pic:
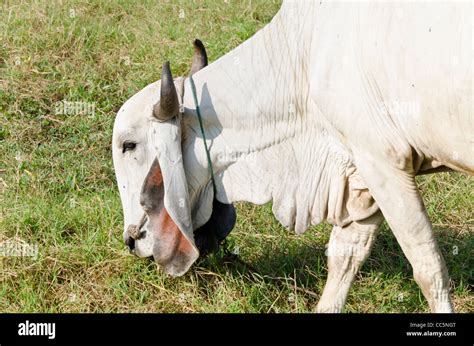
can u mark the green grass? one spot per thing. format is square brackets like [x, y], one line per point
[57, 187]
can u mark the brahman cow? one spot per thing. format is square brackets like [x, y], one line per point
[330, 111]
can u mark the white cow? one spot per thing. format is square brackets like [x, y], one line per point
[329, 111]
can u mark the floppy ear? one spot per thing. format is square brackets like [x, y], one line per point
[216, 229]
[171, 249]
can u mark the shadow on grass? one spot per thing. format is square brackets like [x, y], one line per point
[305, 265]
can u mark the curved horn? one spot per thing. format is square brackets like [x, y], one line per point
[200, 57]
[168, 105]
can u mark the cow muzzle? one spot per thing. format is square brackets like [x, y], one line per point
[135, 232]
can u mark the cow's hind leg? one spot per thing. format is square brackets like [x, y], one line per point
[348, 249]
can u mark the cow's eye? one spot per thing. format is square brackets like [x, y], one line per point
[128, 146]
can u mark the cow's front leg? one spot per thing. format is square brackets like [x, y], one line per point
[348, 249]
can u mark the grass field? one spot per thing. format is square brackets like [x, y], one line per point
[58, 192]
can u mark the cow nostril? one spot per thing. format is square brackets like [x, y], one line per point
[130, 242]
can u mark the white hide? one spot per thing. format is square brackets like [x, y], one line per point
[285, 129]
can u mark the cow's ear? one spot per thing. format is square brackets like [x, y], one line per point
[171, 249]
[216, 229]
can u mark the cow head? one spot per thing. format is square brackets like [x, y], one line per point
[150, 169]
